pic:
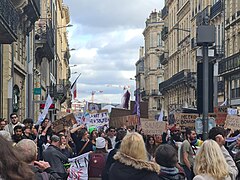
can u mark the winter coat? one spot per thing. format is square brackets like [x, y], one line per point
[48, 173]
[170, 174]
[56, 160]
[128, 168]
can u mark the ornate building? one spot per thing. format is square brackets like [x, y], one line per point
[149, 71]
[29, 56]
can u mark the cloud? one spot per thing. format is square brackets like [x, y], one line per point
[107, 35]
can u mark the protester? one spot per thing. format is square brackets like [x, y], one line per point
[2, 124]
[41, 169]
[151, 147]
[218, 134]
[93, 135]
[97, 160]
[79, 135]
[11, 167]
[64, 147]
[132, 161]
[110, 160]
[27, 132]
[13, 122]
[111, 135]
[55, 158]
[166, 157]
[44, 135]
[210, 163]
[235, 147]
[18, 134]
[6, 135]
[187, 154]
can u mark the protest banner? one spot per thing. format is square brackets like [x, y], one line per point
[79, 167]
[220, 114]
[185, 120]
[199, 124]
[98, 119]
[153, 127]
[130, 120]
[66, 121]
[232, 122]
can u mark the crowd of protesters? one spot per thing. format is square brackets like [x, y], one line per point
[30, 151]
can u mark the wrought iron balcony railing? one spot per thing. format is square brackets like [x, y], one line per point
[164, 33]
[216, 9]
[9, 20]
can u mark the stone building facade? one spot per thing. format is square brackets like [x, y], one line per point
[149, 70]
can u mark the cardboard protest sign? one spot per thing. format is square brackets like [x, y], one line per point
[220, 114]
[66, 121]
[98, 119]
[153, 127]
[232, 122]
[79, 167]
[130, 120]
[185, 120]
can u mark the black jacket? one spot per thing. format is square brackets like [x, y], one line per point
[127, 168]
[39, 174]
[178, 176]
[110, 161]
[56, 160]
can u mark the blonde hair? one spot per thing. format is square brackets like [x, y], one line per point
[133, 145]
[210, 160]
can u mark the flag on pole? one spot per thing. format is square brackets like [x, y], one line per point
[45, 110]
[224, 103]
[125, 100]
[137, 106]
[160, 117]
[74, 87]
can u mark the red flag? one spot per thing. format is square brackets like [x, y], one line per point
[74, 87]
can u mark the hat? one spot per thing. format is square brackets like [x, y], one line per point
[55, 138]
[91, 129]
[100, 143]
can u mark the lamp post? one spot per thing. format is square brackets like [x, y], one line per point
[68, 25]
[205, 37]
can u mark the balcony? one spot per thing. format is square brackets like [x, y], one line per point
[200, 16]
[229, 64]
[164, 12]
[220, 86]
[44, 38]
[32, 10]
[175, 80]
[155, 93]
[219, 51]
[164, 33]
[145, 95]
[9, 19]
[163, 58]
[216, 9]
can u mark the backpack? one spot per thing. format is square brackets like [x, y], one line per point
[97, 163]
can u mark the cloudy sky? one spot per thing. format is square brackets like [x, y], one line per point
[107, 35]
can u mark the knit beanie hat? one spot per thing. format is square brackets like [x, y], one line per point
[100, 143]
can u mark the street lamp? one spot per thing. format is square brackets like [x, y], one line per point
[74, 65]
[68, 25]
[74, 72]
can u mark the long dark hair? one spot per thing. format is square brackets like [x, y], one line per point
[150, 148]
[11, 167]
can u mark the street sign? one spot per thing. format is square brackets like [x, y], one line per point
[199, 124]
[37, 91]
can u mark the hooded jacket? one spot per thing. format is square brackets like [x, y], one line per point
[128, 168]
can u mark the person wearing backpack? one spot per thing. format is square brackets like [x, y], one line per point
[97, 160]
